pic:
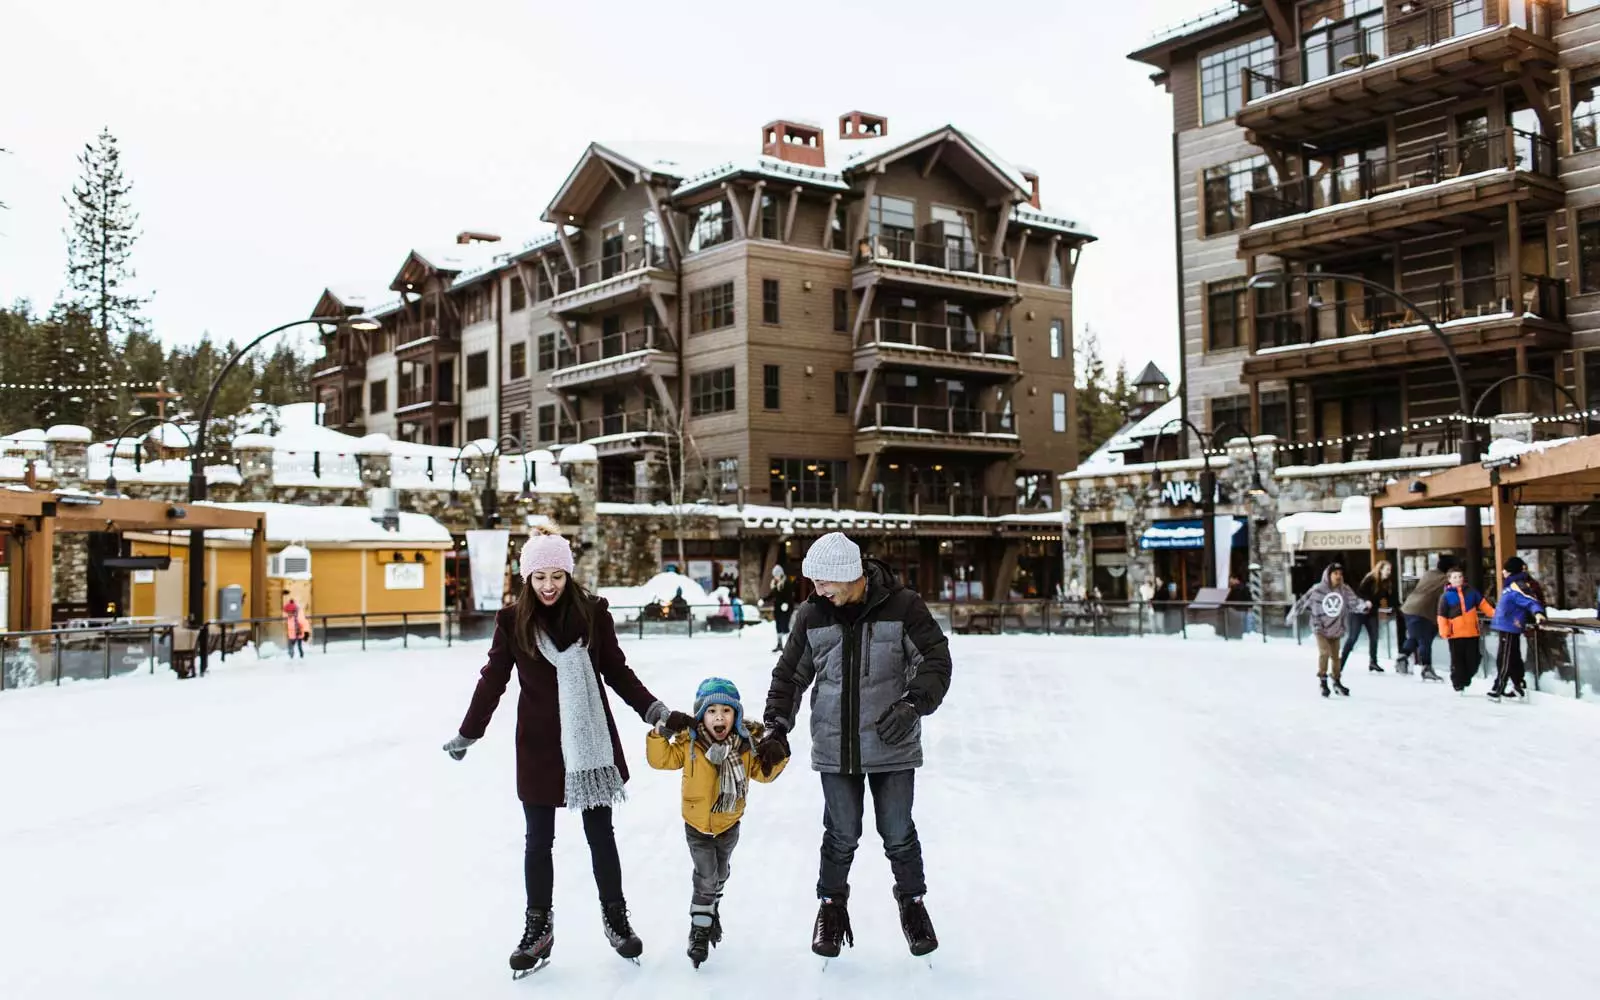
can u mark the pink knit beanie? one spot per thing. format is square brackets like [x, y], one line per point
[545, 552]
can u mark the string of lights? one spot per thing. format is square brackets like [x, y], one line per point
[1569, 417]
[79, 386]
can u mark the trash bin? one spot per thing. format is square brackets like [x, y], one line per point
[230, 603]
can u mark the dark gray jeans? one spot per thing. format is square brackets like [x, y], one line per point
[711, 857]
[843, 800]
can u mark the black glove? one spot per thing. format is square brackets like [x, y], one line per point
[773, 748]
[896, 722]
[677, 722]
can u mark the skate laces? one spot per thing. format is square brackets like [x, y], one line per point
[616, 915]
[538, 924]
[915, 918]
[834, 922]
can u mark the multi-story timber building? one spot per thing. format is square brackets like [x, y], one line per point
[873, 319]
[1445, 148]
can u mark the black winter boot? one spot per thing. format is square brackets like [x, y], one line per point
[1340, 688]
[1374, 668]
[917, 927]
[1324, 682]
[1402, 664]
[832, 929]
[618, 931]
[700, 922]
[538, 939]
[1429, 675]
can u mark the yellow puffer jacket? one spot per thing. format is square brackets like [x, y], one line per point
[700, 777]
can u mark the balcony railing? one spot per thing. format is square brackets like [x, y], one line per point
[1443, 161]
[934, 499]
[939, 337]
[1543, 297]
[612, 345]
[614, 424]
[347, 362]
[417, 395]
[941, 419]
[950, 255]
[592, 272]
[1360, 41]
[407, 333]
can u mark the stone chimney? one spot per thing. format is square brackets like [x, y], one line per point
[794, 142]
[1032, 178]
[862, 125]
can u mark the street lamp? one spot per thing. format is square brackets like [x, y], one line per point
[1469, 435]
[197, 449]
[1208, 493]
[490, 499]
[1582, 414]
[111, 465]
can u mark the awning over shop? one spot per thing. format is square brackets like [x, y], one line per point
[1191, 533]
[1349, 528]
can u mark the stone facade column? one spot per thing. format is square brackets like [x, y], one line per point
[255, 471]
[1074, 542]
[376, 467]
[581, 465]
[650, 479]
[66, 452]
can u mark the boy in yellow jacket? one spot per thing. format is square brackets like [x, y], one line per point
[717, 758]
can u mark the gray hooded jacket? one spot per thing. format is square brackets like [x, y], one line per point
[895, 651]
[1329, 605]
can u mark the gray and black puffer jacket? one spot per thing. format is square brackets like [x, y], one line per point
[895, 651]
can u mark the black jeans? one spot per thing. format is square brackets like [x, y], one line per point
[1465, 656]
[843, 801]
[1353, 626]
[1508, 662]
[297, 644]
[538, 868]
[1420, 633]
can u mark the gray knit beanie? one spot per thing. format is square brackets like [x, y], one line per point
[833, 558]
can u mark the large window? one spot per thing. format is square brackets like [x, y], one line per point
[711, 308]
[477, 428]
[1231, 416]
[478, 371]
[378, 396]
[1574, 6]
[517, 428]
[519, 360]
[711, 392]
[1585, 113]
[1225, 314]
[769, 300]
[771, 397]
[1058, 337]
[1350, 42]
[841, 310]
[807, 480]
[1589, 250]
[1227, 192]
[725, 475]
[841, 392]
[1221, 89]
[712, 225]
[1275, 414]
[547, 422]
[892, 223]
[519, 294]
[769, 218]
[1058, 412]
[547, 351]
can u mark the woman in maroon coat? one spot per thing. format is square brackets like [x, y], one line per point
[562, 643]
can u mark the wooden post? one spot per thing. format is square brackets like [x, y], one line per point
[1514, 237]
[731, 195]
[1255, 410]
[1505, 529]
[827, 224]
[17, 593]
[788, 222]
[40, 558]
[1375, 529]
[258, 569]
[1522, 383]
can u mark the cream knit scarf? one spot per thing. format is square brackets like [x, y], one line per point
[592, 776]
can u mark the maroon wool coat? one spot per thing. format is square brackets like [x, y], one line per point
[541, 774]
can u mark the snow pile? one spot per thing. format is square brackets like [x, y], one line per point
[658, 589]
[300, 523]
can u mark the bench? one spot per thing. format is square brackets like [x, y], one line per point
[184, 643]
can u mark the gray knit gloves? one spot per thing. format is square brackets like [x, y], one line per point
[457, 745]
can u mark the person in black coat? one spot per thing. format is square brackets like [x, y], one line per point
[1377, 589]
[782, 597]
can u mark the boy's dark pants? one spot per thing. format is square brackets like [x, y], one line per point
[843, 803]
[1508, 662]
[712, 857]
[1464, 659]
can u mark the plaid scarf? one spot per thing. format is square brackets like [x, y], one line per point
[732, 781]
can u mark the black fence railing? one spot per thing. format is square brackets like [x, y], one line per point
[48, 656]
[1563, 657]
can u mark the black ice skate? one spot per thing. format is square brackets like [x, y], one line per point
[1429, 675]
[1374, 668]
[702, 924]
[1324, 682]
[1402, 664]
[917, 927]
[832, 929]
[1340, 688]
[533, 951]
[619, 933]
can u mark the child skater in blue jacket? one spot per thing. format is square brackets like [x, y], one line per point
[1516, 606]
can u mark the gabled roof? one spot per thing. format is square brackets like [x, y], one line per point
[1152, 376]
[447, 261]
[608, 163]
[863, 153]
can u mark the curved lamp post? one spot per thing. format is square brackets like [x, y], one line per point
[1581, 415]
[197, 448]
[1469, 435]
[1208, 493]
[490, 498]
[111, 465]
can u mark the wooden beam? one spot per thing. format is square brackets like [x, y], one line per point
[859, 230]
[731, 197]
[529, 282]
[550, 275]
[666, 218]
[614, 175]
[669, 406]
[866, 391]
[861, 312]
[864, 488]
[794, 205]
[1564, 92]
[1022, 248]
[39, 555]
[755, 209]
[1055, 248]
[1374, 535]
[669, 317]
[1255, 410]
[1505, 529]
[566, 249]
[1539, 103]
[1522, 384]
[1280, 22]
[998, 247]
[827, 224]
[1514, 240]
[258, 569]
[571, 411]
[933, 159]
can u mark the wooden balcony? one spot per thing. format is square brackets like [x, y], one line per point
[417, 401]
[940, 428]
[338, 369]
[424, 337]
[1369, 66]
[1479, 316]
[906, 344]
[1466, 183]
[635, 432]
[947, 266]
[613, 280]
[619, 357]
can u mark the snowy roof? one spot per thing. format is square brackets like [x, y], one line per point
[1043, 219]
[1108, 457]
[1354, 514]
[772, 515]
[69, 433]
[322, 525]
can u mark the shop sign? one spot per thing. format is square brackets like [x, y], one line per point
[1186, 492]
[1334, 541]
[402, 576]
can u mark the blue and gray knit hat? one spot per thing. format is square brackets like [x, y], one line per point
[720, 691]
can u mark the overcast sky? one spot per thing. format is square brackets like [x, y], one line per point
[277, 148]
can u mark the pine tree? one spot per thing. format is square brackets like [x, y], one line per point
[104, 229]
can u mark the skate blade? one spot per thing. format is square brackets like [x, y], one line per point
[517, 974]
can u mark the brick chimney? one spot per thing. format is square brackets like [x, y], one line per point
[1033, 185]
[467, 236]
[862, 125]
[795, 142]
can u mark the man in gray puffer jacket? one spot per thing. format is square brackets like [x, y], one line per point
[879, 663]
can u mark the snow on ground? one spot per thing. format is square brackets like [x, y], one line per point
[1101, 818]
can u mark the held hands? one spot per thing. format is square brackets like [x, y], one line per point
[457, 745]
[677, 722]
[773, 748]
[896, 722]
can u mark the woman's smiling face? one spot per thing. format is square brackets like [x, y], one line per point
[548, 584]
